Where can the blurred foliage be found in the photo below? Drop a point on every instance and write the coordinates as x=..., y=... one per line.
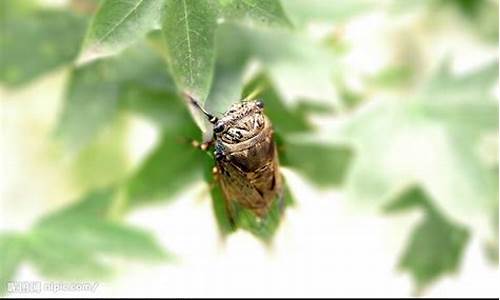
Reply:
x=94, y=239
x=256, y=11
x=105, y=152
x=448, y=240
x=430, y=139
x=50, y=38
x=153, y=180
x=94, y=91
x=304, y=12
x=481, y=14
x=138, y=56
x=12, y=250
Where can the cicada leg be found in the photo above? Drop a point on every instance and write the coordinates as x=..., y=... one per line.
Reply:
x=202, y=146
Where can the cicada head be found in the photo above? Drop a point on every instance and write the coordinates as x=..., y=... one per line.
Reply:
x=240, y=122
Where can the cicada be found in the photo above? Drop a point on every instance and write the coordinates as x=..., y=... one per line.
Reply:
x=246, y=157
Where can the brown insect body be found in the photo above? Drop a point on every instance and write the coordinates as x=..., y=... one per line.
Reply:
x=246, y=158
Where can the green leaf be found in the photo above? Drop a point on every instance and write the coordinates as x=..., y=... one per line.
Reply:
x=78, y=242
x=432, y=139
x=445, y=87
x=267, y=12
x=481, y=15
x=55, y=257
x=96, y=204
x=283, y=56
x=91, y=103
x=299, y=67
x=307, y=107
x=410, y=199
x=302, y=12
x=231, y=62
x=393, y=76
x=61, y=259
x=189, y=32
x=164, y=172
x=325, y=165
x=105, y=160
x=285, y=120
x=485, y=21
x=162, y=107
x=92, y=230
x=102, y=236
x=118, y=24
x=436, y=245
x=226, y=88
x=491, y=243
x=94, y=92
x=35, y=41
x=12, y=251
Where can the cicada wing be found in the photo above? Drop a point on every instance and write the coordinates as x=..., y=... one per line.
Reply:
x=236, y=187
x=278, y=180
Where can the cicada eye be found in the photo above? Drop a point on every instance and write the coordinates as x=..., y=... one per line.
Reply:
x=260, y=104
x=219, y=127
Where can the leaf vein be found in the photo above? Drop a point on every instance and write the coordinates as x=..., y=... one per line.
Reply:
x=120, y=22
x=188, y=39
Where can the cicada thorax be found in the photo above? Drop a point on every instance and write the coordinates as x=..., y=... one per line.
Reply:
x=247, y=159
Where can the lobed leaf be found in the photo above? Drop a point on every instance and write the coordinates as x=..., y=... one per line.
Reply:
x=443, y=123
x=436, y=245
x=93, y=240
